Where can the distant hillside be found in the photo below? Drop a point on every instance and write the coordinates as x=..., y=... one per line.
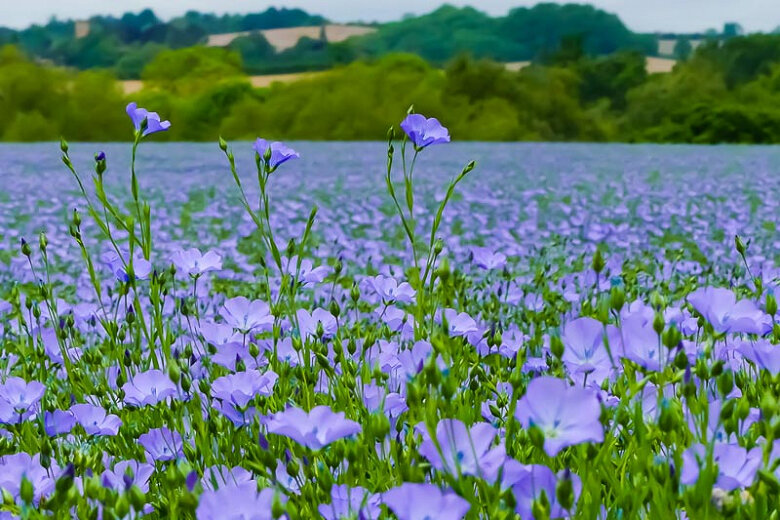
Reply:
x=291, y=40
x=523, y=34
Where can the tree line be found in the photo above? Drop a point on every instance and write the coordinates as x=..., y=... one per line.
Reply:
x=724, y=92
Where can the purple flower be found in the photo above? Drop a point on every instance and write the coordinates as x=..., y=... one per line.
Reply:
x=412, y=361
x=424, y=132
x=94, y=419
x=315, y=429
x=58, y=422
x=118, y=265
x=194, y=263
x=765, y=355
x=19, y=400
x=308, y=323
x=464, y=451
x=21, y=465
x=737, y=466
x=537, y=479
x=247, y=316
x=487, y=259
x=641, y=343
x=280, y=153
x=235, y=391
x=424, y=502
x=349, y=502
x=162, y=444
x=308, y=274
x=389, y=290
x=153, y=123
x=377, y=398
x=460, y=324
x=566, y=415
x=584, y=354
x=128, y=473
x=148, y=388
x=236, y=502
x=216, y=477
x=720, y=307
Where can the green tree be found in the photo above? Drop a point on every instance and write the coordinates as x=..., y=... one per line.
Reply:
x=191, y=70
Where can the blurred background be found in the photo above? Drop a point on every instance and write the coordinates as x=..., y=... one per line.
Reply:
x=664, y=71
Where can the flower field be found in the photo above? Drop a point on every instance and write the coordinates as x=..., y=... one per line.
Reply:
x=364, y=331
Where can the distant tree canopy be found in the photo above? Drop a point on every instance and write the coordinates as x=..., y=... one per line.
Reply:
x=128, y=43
x=524, y=34
x=717, y=95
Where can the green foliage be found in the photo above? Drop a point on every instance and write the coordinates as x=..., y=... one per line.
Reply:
x=128, y=43
x=192, y=69
x=611, y=77
x=713, y=97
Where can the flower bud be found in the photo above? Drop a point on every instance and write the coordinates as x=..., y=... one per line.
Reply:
x=741, y=249
x=771, y=304
x=26, y=491
x=174, y=372
x=223, y=144
x=541, y=507
x=598, y=262
x=658, y=323
x=537, y=437
x=26, y=250
x=64, y=145
x=556, y=347
x=617, y=298
x=564, y=491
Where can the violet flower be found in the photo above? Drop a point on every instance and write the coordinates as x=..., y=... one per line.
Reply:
x=737, y=466
x=217, y=477
x=460, y=324
x=355, y=502
x=148, y=388
x=19, y=400
x=58, y=422
x=236, y=502
x=162, y=444
x=308, y=323
x=529, y=487
x=585, y=355
x=566, y=415
x=464, y=451
x=153, y=123
x=411, y=501
x=488, y=259
x=236, y=391
x=720, y=307
x=316, y=429
x=194, y=263
x=424, y=132
x=95, y=421
x=389, y=290
x=247, y=316
x=128, y=473
x=21, y=465
x=280, y=153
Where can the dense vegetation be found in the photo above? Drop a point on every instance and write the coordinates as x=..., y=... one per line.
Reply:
x=128, y=43
x=723, y=93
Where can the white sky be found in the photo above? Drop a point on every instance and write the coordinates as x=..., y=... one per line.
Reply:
x=639, y=15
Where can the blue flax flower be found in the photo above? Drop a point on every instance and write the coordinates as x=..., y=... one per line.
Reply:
x=424, y=502
x=153, y=123
x=566, y=415
x=315, y=429
x=424, y=132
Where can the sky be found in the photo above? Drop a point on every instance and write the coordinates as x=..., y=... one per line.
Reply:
x=639, y=15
